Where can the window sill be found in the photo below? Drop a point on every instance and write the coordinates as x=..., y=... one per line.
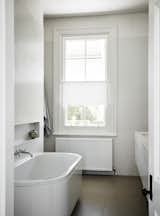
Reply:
x=85, y=135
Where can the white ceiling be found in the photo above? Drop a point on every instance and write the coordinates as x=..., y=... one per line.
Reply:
x=59, y=7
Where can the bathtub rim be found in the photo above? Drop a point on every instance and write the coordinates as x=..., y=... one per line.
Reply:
x=28, y=183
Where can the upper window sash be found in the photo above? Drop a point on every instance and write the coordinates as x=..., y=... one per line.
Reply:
x=84, y=59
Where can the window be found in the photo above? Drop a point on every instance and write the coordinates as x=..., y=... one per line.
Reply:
x=84, y=82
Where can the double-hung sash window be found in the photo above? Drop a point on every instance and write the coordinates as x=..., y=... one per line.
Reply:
x=84, y=81
x=85, y=87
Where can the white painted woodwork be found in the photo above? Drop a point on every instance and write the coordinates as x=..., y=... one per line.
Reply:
x=154, y=104
x=6, y=106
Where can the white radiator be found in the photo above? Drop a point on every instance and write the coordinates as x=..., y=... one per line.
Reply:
x=96, y=152
x=141, y=156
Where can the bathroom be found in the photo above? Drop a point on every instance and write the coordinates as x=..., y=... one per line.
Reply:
x=82, y=109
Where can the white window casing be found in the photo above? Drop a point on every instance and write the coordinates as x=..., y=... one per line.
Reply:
x=68, y=90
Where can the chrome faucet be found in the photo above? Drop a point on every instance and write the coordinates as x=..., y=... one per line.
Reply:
x=22, y=151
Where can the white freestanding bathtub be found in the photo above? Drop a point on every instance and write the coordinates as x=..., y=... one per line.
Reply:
x=48, y=184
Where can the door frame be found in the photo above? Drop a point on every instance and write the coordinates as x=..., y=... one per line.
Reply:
x=154, y=99
x=6, y=106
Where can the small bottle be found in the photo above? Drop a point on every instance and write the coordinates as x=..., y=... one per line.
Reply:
x=33, y=134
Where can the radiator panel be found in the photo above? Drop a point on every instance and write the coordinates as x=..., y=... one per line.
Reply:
x=96, y=152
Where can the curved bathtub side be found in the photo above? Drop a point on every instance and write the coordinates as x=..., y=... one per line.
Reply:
x=69, y=192
x=54, y=197
x=22, y=168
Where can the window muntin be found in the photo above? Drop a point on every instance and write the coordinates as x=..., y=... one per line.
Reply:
x=84, y=84
x=88, y=56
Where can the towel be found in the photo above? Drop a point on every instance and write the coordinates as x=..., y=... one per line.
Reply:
x=47, y=122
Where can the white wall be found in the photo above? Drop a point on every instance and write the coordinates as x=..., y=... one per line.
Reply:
x=132, y=78
x=6, y=106
x=29, y=67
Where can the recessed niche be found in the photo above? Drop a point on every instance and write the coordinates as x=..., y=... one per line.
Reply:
x=22, y=132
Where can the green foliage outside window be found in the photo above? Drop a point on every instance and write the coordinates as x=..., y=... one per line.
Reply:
x=80, y=113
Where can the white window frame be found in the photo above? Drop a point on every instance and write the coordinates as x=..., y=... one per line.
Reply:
x=79, y=37
x=58, y=36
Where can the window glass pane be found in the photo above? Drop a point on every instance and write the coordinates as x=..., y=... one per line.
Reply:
x=85, y=93
x=96, y=48
x=74, y=48
x=74, y=115
x=85, y=103
x=95, y=70
x=74, y=70
x=95, y=115
x=81, y=115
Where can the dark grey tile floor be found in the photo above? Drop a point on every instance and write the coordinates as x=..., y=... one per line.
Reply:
x=111, y=196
